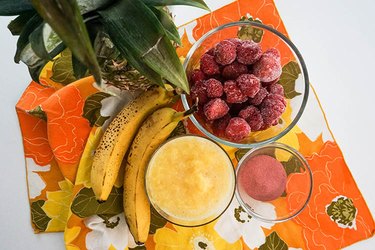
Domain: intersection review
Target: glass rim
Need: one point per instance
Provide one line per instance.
(290, 150)
(232, 191)
(303, 71)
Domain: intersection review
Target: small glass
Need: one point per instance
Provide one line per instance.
(298, 188)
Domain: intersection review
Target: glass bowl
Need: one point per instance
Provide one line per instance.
(187, 192)
(296, 95)
(298, 185)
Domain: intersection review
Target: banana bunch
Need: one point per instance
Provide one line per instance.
(119, 135)
(153, 132)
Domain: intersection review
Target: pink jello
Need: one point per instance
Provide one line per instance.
(262, 177)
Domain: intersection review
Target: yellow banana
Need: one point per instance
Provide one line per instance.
(118, 137)
(153, 132)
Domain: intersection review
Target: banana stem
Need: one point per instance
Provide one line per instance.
(181, 115)
(192, 110)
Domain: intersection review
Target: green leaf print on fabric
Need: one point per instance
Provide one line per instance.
(85, 204)
(274, 242)
(288, 78)
(342, 211)
(157, 221)
(38, 216)
(62, 68)
(38, 112)
(249, 32)
(91, 110)
(237, 214)
(107, 222)
(293, 165)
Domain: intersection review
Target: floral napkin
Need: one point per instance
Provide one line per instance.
(61, 125)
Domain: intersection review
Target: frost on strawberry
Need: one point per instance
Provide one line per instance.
(209, 65)
(248, 52)
(258, 98)
(199, 91)
(267, 69)
(249, 84)
(215, 109)
(276, 89)
(234, 70)
(237, 129)
(214, 88)
(233, 92)
(197, 75)
(236, 41)
(253, 117)
(273, 52)
(272, 107)
(225, 52)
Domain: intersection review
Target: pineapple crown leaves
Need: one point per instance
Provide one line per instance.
(142, 32)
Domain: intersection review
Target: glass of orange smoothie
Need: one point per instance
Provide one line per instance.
(190, 180)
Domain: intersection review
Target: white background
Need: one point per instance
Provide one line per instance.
(337, 41)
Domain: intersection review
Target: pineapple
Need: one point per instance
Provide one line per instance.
(140, 33)
(115, 69)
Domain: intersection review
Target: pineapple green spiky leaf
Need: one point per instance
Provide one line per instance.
(23, 40)
(195, 3)
(17, 24)
(79, 69)
(36, 40)
(65, 19)
(148, 49)
(14, 7)
(34, 70)
(168, 24)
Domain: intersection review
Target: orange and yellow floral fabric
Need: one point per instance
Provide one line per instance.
(61, 126)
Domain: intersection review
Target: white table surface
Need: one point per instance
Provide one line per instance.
(337, 40)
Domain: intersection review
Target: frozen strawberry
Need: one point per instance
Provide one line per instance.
(234, 70)
(215, 109)
(237, 129)
(214, 88)
(199, 91)
(252, 116)
(258, 98)
(271, 98)
(196, 76)
(272, 108)
(221, 124)
(270, 116)
(256, 122)
(267, 69)
(266, 84)
(274, 101)
(233, 92)
(211, 51)
(249, 84)
(276, 89)
(225, 52)
(248, 112)
(273, 52)
(236, 41)
(209, 65)
(248, 52)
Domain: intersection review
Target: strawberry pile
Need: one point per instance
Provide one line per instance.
(237, 88)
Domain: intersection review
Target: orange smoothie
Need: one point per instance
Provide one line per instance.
(190, 180)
